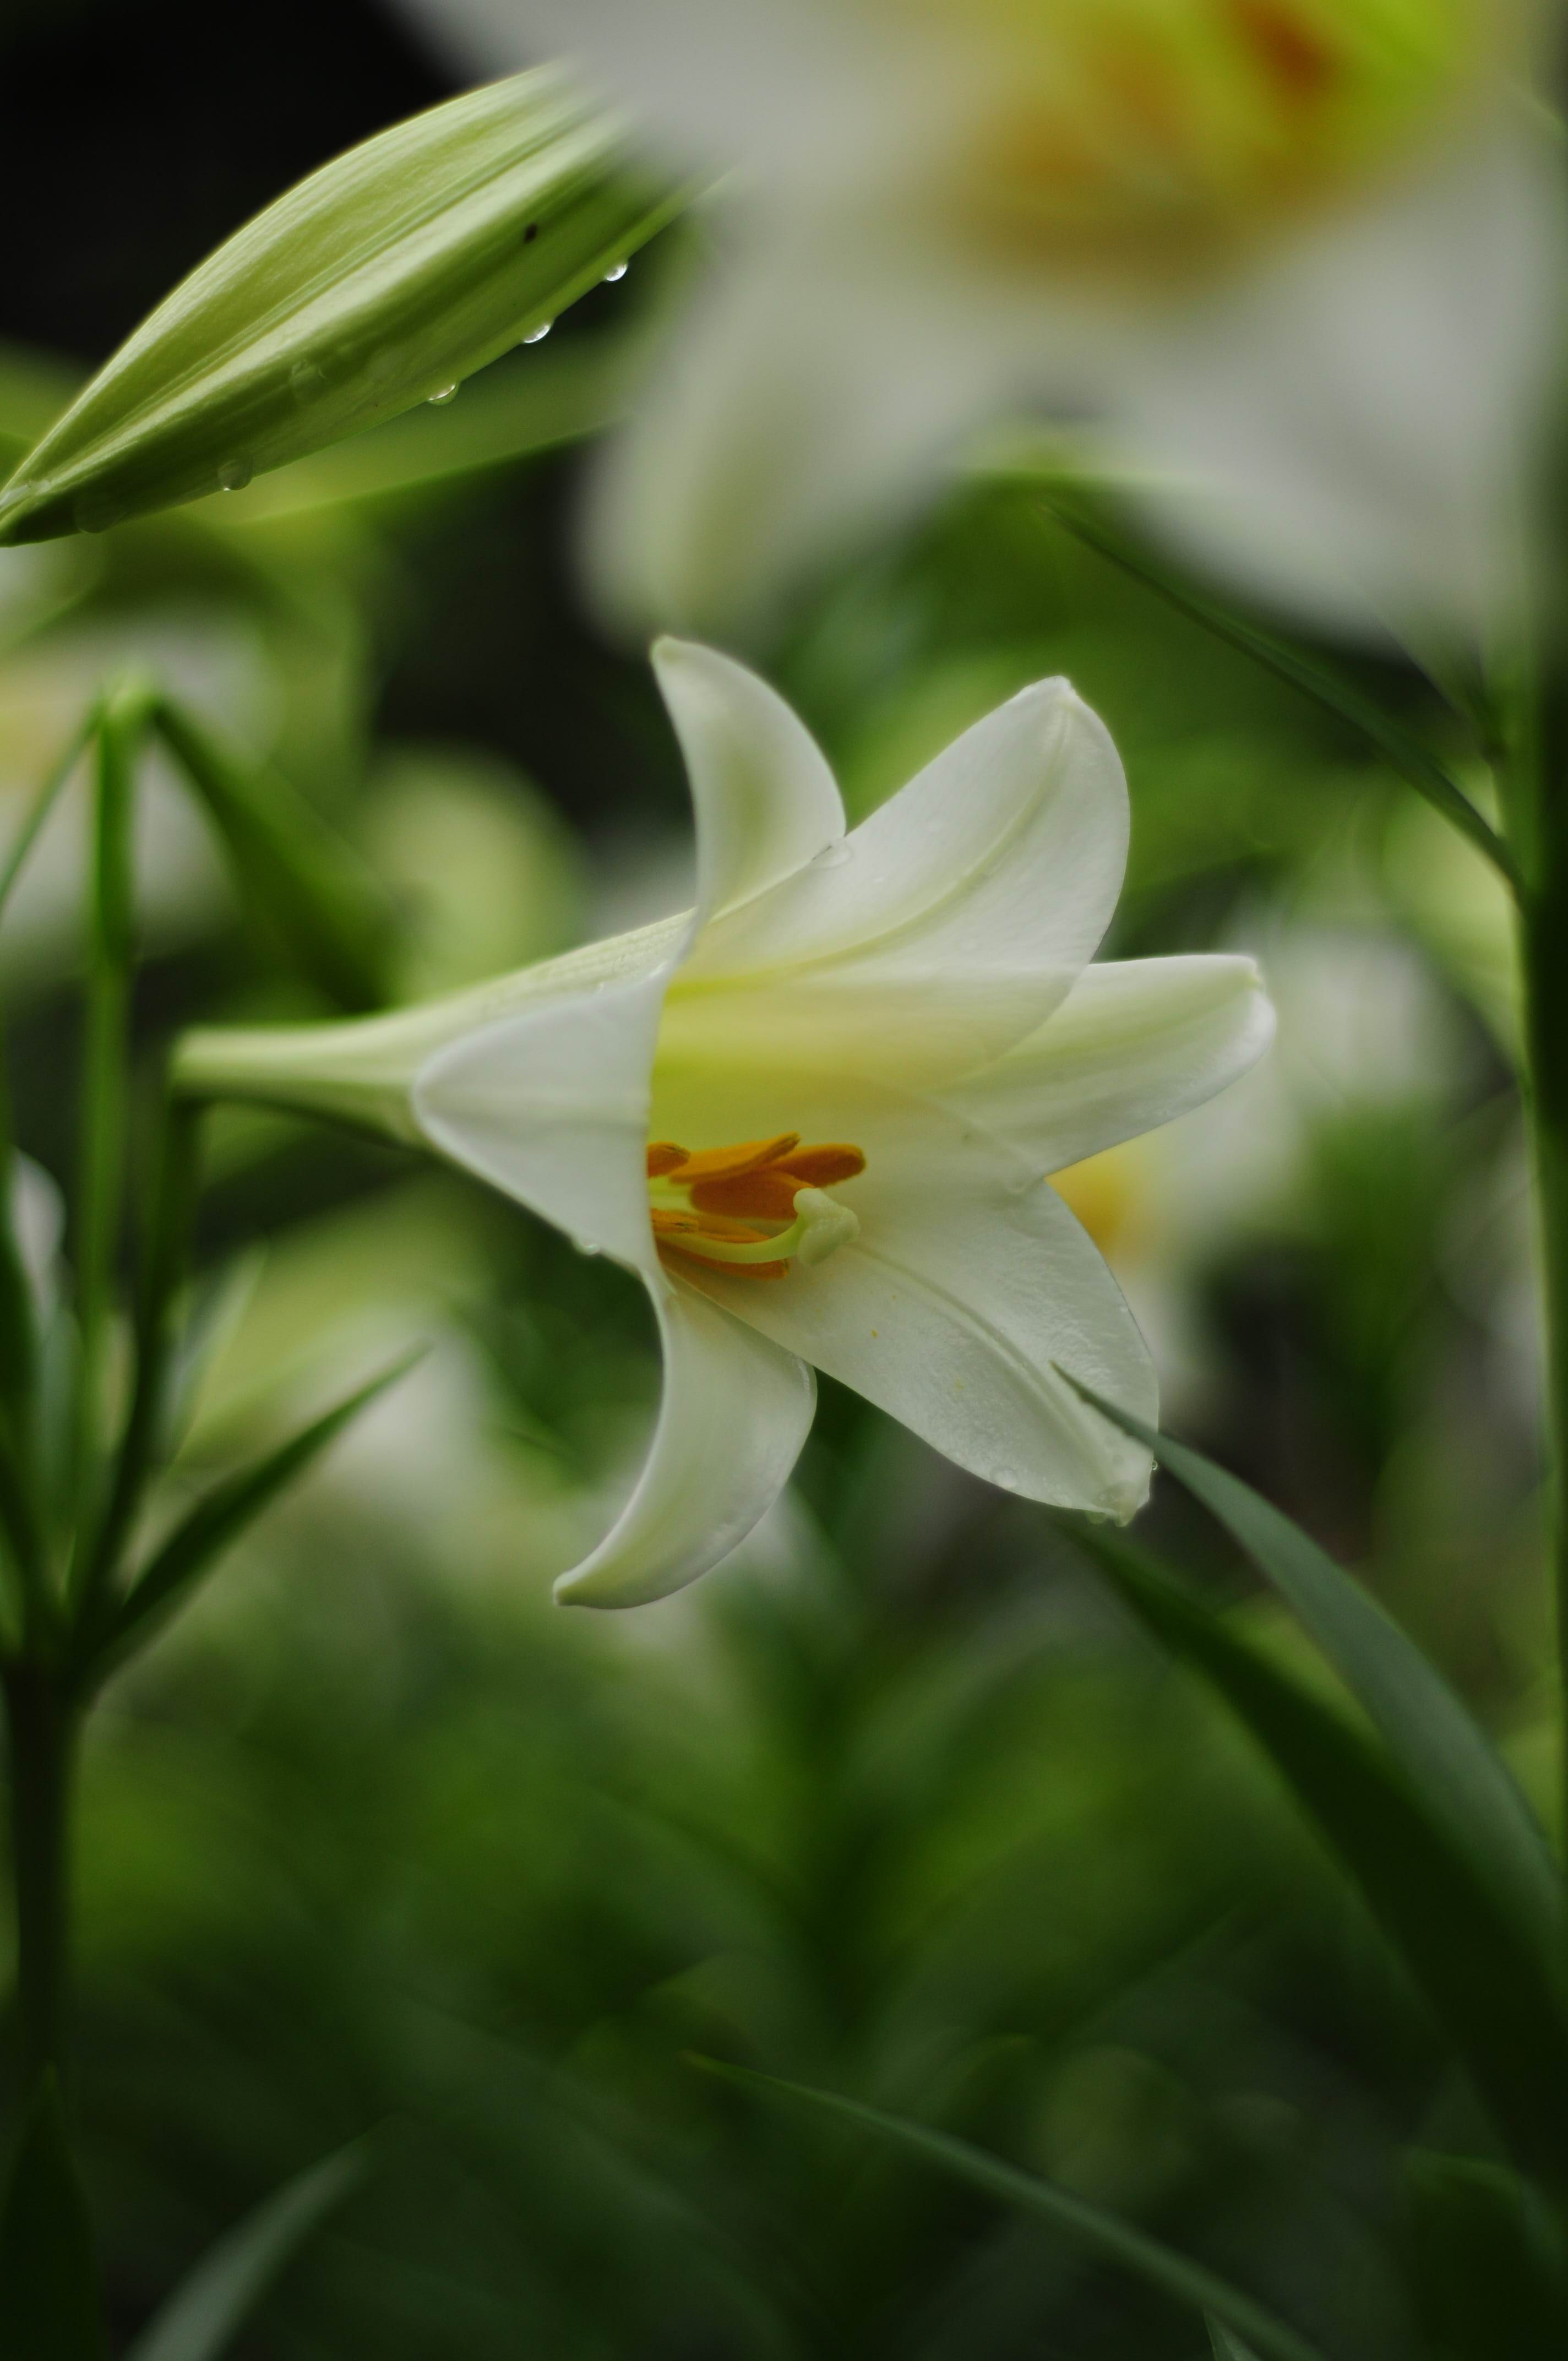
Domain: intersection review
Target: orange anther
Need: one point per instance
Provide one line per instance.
(662, 1156)
(723, 1163)
(822, 1167)
(768, 1195)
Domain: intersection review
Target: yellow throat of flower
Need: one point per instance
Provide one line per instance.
(753, 1209)
(1155, 137)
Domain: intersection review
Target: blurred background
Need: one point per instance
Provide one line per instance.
(377, 1841)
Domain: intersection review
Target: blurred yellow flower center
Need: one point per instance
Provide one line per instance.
(753, 1208)
(1155, 136)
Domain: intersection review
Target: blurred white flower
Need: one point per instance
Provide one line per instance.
(816, 1116)
(1300, 256)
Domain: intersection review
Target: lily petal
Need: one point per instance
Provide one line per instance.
(551, 1106)
(765, 801)
(1349, 418)
(816, 388)
(1135, 1043)
(996, 868)
(707, 79)
(970, 1287)
(736, 1411)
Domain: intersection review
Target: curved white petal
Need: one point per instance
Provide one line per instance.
(551, 1106)
(711, 80)
(975, 896)
(1135, 1043)
(969, 1280)
(1354, 417)
(736, 1410)
(811, 395)
(765, 801)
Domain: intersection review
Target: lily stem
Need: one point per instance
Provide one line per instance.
(41, 1727)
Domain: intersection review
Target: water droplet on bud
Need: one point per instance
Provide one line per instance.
(235, 472)
(307, 379)
(537, 336)
(444, 393)
(96, 510)
(618, 272)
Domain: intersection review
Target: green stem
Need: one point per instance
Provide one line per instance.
(105, 1079)
(41, 1724)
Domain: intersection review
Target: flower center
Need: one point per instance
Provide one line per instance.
(752, 1208)
(1152, 134)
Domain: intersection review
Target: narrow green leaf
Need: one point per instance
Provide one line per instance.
(217, 1521)
(213, 2304)
(1450, 1761)
(391, 273)
(43, 803)
(165, 1253)
(1415, 763)
(1089, 2226)
(48, 2277)
(1497, 2002)
(287, 863)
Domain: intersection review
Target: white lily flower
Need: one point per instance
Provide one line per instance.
(1302, 257)
(815, 1117)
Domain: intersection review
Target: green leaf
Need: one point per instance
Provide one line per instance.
(1448, 1759)
(202, 2314)
(1489, 2274)
(1089, 2226)
(393, 272)
(1415, 763)
(287, 863)
(43, 802)
(1498, 2003)
(49, 2276)
(217, 1521)
(166, 1248)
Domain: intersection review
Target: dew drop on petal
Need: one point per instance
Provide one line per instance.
(537, 336)
(307, 379)
(444, 393)
(235, 472)
(1006, 1477)
(618, 272)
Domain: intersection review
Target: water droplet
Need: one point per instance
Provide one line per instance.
(307, 379)
(235, 472)
(1006, 1477)
(537, 336)
(96, 510)
(587, 1245)
(442, 395)
(833, 856)
(618, 272)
